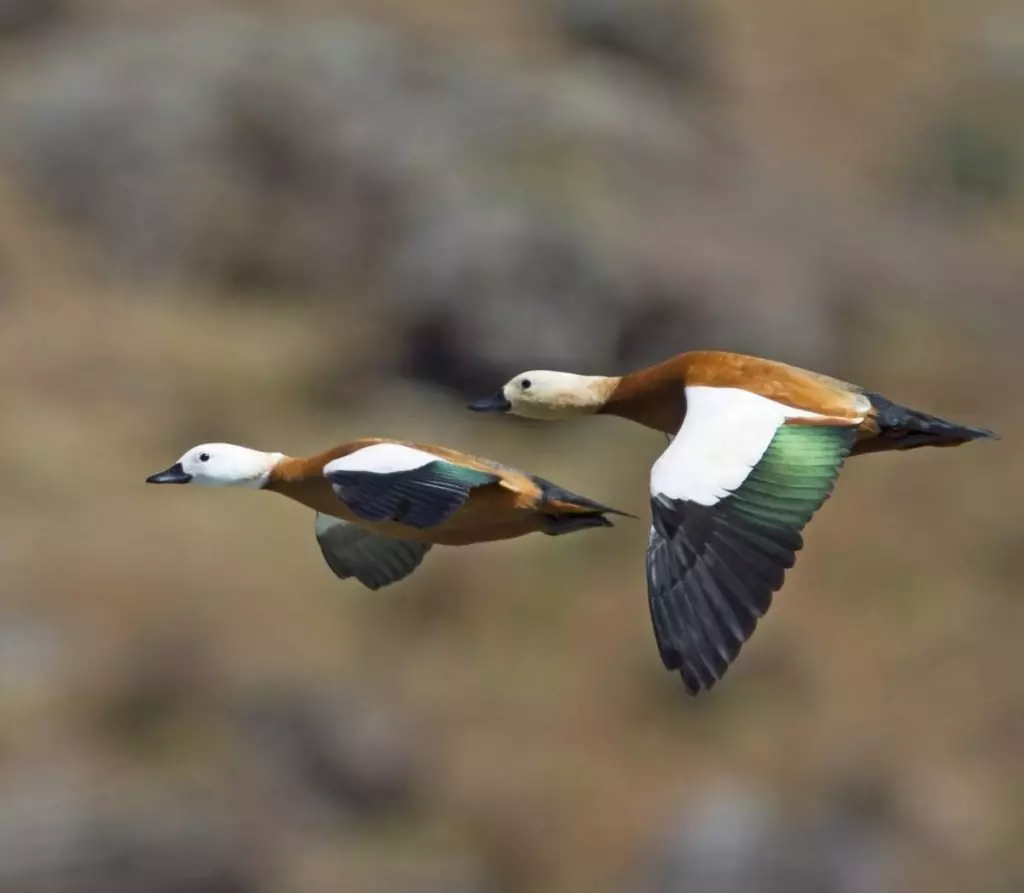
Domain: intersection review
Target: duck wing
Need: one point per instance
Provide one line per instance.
(394, 482)
(374, 560)
(729, 499)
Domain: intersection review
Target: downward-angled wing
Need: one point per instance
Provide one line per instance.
(393, 482)
(729, 499)
(374, 560)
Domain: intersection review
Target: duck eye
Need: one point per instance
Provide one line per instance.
(204, 457)
(525, 384)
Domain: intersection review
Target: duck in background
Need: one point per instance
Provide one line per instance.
(755, 447)
(381, 505)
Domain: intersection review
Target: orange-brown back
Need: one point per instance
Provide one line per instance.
(512, 506)
(654, 396)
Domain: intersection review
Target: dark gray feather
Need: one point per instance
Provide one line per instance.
(374, 560)
(712, 570)
(420, 497)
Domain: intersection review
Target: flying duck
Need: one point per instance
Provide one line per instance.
(755, 447)
(382, 504)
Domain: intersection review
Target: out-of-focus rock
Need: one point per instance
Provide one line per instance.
(33, 656)
(738, 840)
(56, 836)
(334, 157)
(535, 292)
(999, 44)
(19, 16)
(969, 155)
(666, 37)
(205, 151)
(493, 217)
(351, 758)
(168, 683)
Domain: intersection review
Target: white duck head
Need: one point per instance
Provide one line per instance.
(542, 394)
(219, 465)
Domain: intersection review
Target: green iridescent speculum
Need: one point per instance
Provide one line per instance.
(448, 471)
(794, 476)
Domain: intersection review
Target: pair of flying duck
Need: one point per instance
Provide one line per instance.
(755, 447)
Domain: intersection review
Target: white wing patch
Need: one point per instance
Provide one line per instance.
(382, 458)
(725, 433)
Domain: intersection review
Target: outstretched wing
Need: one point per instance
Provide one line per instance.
(393, 482)
(374, 560)
(729, 499)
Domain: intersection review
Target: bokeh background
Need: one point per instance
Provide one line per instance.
(291, 223)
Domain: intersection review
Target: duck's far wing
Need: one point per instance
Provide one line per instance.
(392, 482)
(729, 499)
(374, 560)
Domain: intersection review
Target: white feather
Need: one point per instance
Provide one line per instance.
(382, 458)
(725, 433)
(228, 465)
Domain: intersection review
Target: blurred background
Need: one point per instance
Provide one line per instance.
(291, 224)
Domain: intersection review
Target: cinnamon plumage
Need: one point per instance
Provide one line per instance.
(382, 504)
(755, 448)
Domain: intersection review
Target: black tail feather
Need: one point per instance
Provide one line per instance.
(556, 525)
(552, 493)
(901, 428)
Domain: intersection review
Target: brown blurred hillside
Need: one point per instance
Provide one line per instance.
(292, 224)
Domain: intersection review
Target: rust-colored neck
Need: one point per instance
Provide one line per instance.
(652, 397)
(292, 469)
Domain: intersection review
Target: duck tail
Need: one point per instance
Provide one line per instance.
(901, 428)
(567, 511)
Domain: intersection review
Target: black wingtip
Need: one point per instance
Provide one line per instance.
(709, 580)
(908, 428)
(694, 686)
(553, 493)
(621, 514)
(970, 433)
(558, 525)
